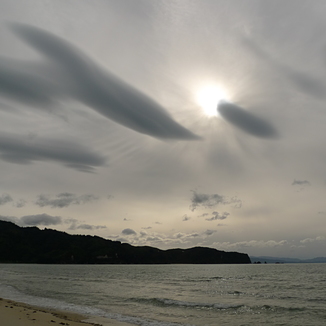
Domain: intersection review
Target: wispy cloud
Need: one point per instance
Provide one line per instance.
(64, 199)
(300, 183)
(308, 83)
(311, 240)
(78, 225)
(90, 227)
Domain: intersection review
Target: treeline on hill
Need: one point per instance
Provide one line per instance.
(32, 245)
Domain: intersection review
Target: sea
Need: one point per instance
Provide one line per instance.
(175, 295)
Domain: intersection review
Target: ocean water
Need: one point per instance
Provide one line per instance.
(171, 295)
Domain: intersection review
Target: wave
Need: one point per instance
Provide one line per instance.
(185, 304)
(11, 293)
(229, 308)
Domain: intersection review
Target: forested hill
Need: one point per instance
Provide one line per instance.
(32, 245)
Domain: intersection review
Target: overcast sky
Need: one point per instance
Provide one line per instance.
(167, 123)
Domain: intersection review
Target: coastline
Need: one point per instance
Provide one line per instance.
(20, 314)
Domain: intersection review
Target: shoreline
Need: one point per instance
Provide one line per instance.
(21, 314)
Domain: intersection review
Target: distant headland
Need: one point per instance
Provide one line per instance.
(32, 245)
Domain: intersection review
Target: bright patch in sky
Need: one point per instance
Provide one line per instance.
(209, 97)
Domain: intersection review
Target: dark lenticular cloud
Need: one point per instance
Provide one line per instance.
(22, 82)
(246, 121)
(100, 90)
(22, 150)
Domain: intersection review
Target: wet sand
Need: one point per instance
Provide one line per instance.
(19, 314)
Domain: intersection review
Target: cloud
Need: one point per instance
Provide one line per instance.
(21, 81)
(170, 241)
(300, 183)
(209, 232)
(185, 218)
(5, 198)
(128, 232)
(64, 199)
(179, 235)
(20, 203)
(77, 225)
(246, 121)
(25, 150)
(203, 215)
(90, 227)
(85, 81)
(10, 219)
(250, 244)
(143, 233)
(37, 219)
(218, 216)
(311, 240)
(40, 219)
(207, 200)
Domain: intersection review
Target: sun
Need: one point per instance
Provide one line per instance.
(209, 97)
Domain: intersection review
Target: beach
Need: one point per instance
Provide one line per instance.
(20, 314)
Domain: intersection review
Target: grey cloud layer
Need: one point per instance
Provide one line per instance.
(33, 220)
(88, 83)
(64, 199)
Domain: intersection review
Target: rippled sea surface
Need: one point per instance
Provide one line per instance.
(166, 295)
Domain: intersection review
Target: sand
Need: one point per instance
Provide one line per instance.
(20, 314)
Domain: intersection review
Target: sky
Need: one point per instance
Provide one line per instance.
(171, 124)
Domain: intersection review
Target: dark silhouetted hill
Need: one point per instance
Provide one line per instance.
(32, 245)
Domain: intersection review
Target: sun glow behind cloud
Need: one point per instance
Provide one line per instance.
(208, 98)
